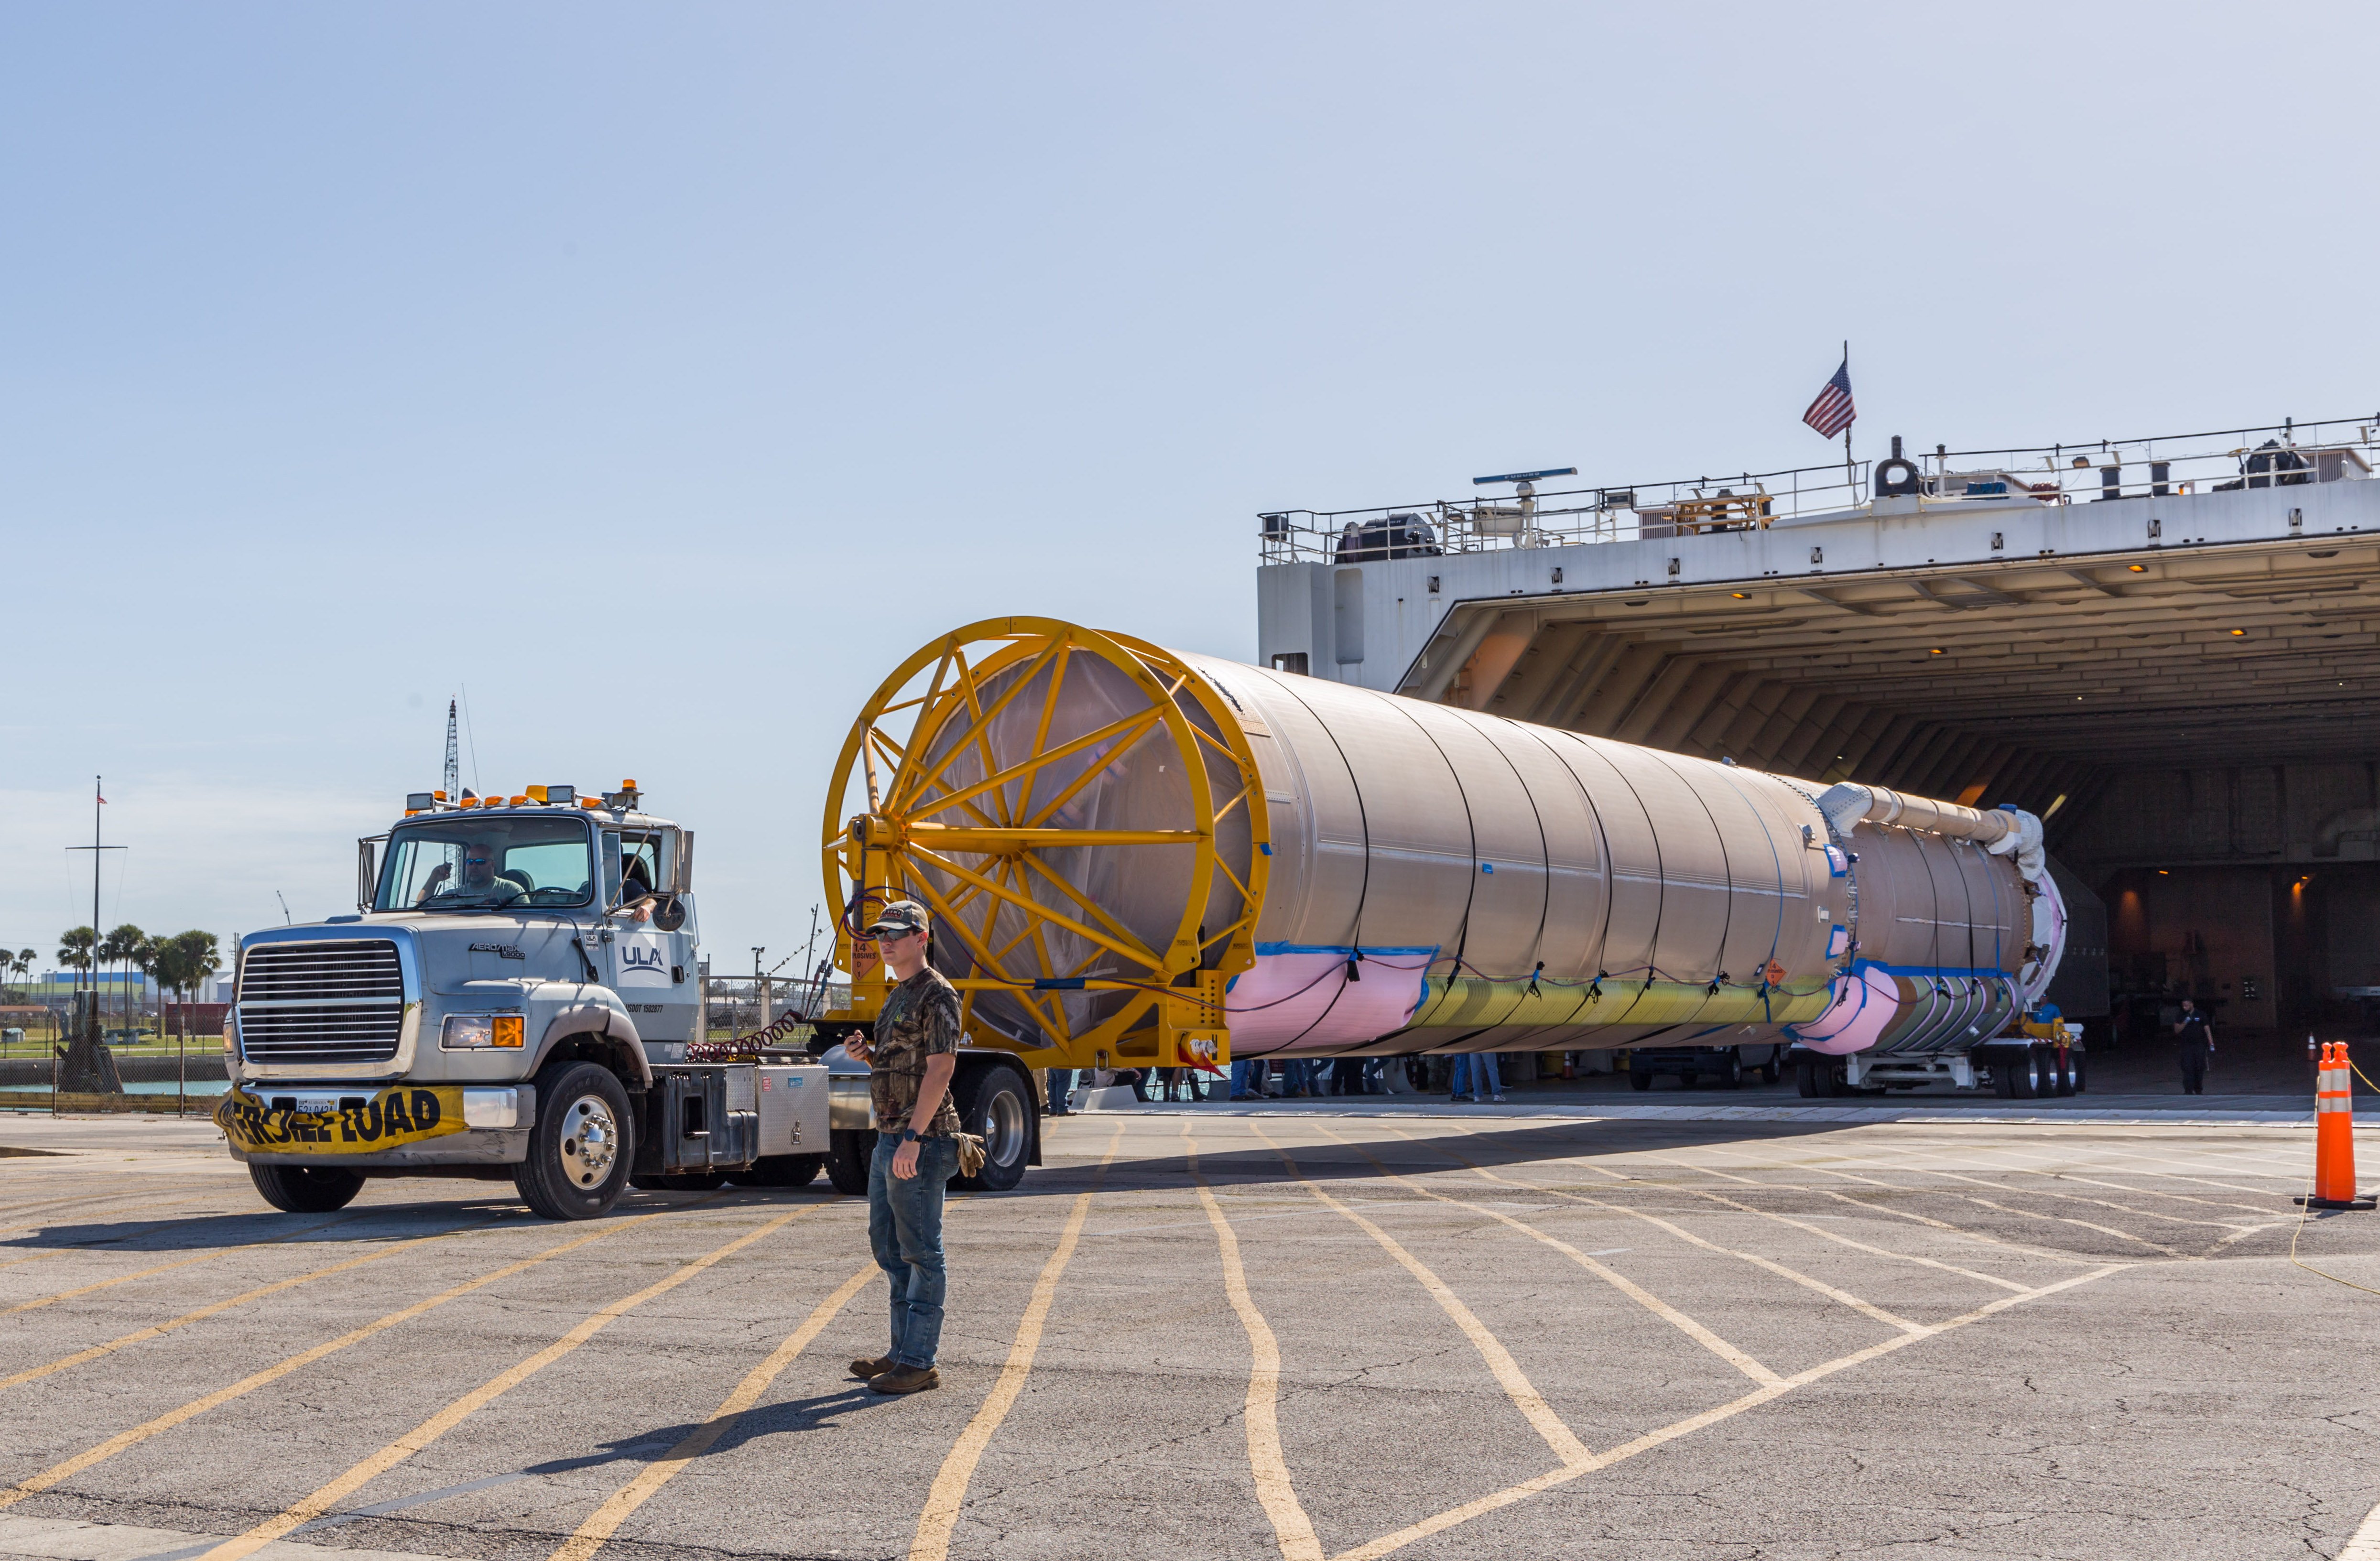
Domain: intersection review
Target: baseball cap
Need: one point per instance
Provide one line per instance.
(901, 917)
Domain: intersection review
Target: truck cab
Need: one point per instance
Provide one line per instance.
(519, 996)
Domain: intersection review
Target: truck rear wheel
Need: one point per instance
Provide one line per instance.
(306, 1188)
(994, 1105)
(580, 1148)
(848, 1151)
(781, 1170)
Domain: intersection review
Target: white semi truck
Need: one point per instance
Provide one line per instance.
(519, 997)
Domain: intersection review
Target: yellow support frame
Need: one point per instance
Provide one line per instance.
(916, 820)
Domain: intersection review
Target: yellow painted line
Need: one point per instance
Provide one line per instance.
(1507, 1370)
(1739, 1358)
(379, 1463)
(1840, 1297)
(1914, 1218)
(616, 1509)
(156, 1330)
(1438, 1523)
(2093, 1165)
(1840, 1239)
(1837, 1239)
(1290, 1526)
(2074, 1197)
(1986, 1203)
(2066, 1167)
(247, 1384)
(941, 1518)
(181, 1263)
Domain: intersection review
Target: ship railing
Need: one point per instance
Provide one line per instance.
(2281, 454)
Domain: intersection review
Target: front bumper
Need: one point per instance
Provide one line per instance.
(331, 1124)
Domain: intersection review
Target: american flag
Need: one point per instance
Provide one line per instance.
(1832, 412)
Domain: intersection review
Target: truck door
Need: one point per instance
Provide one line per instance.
(652, 966)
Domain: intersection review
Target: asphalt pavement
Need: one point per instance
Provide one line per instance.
(1343, 1329)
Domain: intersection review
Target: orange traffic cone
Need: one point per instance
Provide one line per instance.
(2334, 1134)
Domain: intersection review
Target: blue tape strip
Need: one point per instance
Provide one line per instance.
(1342, 950)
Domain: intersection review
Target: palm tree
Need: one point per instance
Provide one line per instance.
(150, 959)
(75, 946)
(201, 958)
(122, 947)
(184, 961)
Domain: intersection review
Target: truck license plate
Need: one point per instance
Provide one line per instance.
(403, 1114)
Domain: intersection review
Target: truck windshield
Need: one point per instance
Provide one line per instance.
(467, 863)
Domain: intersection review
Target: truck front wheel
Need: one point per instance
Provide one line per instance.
(306, 1188)
(579, 1150)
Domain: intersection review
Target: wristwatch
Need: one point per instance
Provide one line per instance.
(908, 1135)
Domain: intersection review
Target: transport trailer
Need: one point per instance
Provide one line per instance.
(519, 997)
(1729, 1066)
(1138, 856)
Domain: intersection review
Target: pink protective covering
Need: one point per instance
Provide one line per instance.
(1301, 1000)
(1865, 1002)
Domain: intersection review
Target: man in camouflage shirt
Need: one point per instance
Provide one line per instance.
(913, 1054)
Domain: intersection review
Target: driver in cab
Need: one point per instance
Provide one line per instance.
(479, 876)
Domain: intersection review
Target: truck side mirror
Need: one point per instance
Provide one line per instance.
(367, 870)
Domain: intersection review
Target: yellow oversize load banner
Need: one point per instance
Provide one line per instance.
(407, 1114)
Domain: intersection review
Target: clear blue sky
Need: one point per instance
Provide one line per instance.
(664, 373)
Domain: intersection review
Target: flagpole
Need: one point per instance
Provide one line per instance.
(1851, 469)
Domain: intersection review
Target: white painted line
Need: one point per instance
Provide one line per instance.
(2364, 1543)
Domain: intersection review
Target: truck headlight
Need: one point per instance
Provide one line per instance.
(474, 1032)
(231, 1030)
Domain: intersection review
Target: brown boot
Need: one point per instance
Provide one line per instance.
(906, 1379)
(864, 1370)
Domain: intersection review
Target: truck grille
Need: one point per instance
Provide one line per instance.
(322, 1002)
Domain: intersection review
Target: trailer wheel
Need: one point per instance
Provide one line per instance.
(2031, 1078)
(1772, 1070)
(306, 1188)
(1805, 1076)
(993, 1106)
(1734, 1077)
(2003, 1076)
(579, 1150)
(2062, 1064)
(2076, 1067)
(848, 1151)
(781, 1170)
(1639, 1079)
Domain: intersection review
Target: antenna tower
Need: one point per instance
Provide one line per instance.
(454, 760)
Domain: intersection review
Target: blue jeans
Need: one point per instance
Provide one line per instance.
(1477, 1073)
(905, 1226)
(1243, 1075)
(1062, 1085)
